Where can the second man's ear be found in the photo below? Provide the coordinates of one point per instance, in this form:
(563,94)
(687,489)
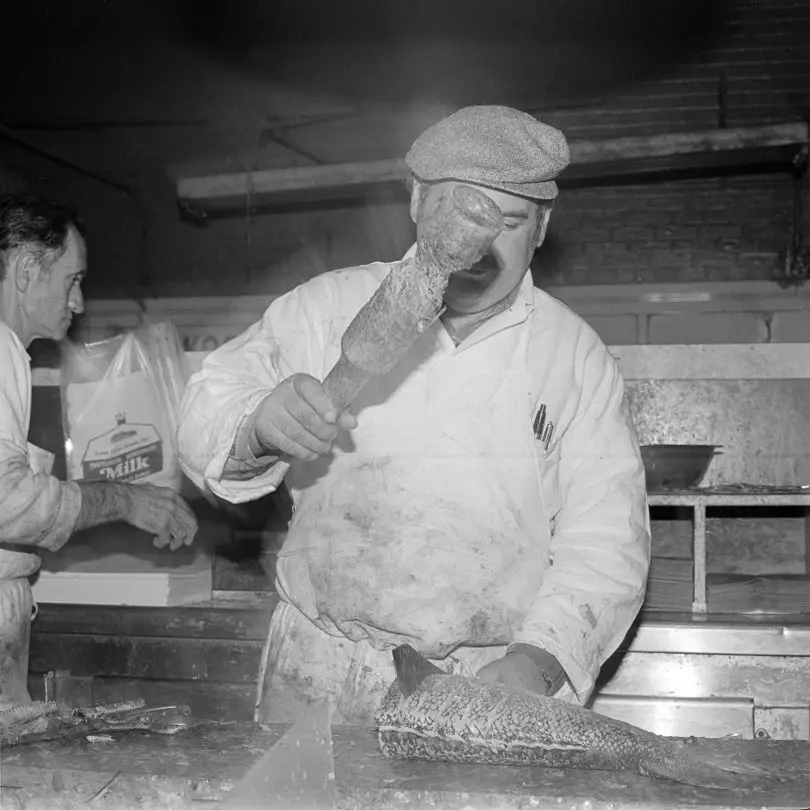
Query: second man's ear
(542,226)
(416,195)
(25,269)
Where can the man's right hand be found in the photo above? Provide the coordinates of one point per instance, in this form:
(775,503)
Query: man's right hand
(299,420)
(163,513)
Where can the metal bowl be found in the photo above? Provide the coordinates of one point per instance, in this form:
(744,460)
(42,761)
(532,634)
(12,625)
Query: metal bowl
(676,466)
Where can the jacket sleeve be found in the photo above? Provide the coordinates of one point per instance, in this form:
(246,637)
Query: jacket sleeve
(234,380)
(600,546)
(35,509)
(38,509)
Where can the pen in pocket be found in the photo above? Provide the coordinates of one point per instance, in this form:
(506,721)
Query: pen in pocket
(539,422)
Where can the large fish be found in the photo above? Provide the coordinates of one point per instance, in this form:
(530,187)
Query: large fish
(430,715)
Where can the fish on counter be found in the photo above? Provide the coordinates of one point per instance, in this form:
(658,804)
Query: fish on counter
(430,715)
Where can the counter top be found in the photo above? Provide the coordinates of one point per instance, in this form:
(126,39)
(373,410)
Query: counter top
(199,766)
(720,634)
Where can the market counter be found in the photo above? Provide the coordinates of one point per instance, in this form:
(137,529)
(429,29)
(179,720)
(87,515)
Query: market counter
(198,767)
(677,673)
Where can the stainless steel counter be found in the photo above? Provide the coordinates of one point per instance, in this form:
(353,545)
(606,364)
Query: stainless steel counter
(758,634)
(710,675)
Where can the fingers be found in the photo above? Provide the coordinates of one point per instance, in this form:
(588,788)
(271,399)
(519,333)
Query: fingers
(314,394)
(508,673)
(347,420)
(316,397)
(181,526)
(186,522)
(305,429)
(299,419)
(166,515)
(488,673)
(288,436)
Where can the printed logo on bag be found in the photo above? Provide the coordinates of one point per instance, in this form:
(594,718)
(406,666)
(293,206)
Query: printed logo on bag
(125,453)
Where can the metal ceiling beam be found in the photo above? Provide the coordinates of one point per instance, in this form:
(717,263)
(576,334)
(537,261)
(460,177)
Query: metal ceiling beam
(595,162)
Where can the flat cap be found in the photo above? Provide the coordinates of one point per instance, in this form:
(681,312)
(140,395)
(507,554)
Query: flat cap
(497,147)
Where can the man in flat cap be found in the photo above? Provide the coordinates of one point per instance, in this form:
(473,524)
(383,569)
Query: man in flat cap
(483,502)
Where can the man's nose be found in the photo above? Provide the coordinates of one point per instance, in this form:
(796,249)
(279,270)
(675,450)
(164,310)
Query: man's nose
(76,301)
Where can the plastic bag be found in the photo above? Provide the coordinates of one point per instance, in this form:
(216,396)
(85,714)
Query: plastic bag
(120,401)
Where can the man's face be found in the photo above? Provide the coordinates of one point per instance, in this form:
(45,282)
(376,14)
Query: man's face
(54,295)
(502,268)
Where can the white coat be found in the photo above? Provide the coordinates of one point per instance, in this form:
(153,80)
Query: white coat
(442,520)
(36,510)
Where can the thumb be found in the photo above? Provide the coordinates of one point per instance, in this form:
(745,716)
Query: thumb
(315,395)
(489,673)
(347,420)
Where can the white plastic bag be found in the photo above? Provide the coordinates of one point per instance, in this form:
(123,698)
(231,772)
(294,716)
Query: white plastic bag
(120,400)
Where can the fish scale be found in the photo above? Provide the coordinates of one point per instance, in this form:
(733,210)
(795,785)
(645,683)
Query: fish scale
(427,714)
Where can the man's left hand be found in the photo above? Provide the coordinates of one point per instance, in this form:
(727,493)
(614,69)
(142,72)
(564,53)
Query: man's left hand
(521,670)
(516,670)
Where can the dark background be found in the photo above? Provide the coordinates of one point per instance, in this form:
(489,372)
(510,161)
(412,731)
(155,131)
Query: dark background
(139,93)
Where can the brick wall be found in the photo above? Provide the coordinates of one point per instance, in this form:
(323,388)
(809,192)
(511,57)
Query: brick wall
(762,48)
(686,231)
(697,230)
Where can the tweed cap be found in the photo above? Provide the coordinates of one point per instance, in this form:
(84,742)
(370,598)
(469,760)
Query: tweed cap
(497,147)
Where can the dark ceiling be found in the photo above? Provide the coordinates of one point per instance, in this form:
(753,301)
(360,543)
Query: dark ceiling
(466,50)
(549,52)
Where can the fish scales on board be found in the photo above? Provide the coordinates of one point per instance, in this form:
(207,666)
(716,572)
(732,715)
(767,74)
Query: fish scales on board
(430,715)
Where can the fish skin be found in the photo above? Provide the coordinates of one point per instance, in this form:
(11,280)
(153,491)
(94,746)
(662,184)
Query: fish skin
(429,715)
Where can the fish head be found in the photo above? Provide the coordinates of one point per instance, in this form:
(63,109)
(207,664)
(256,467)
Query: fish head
(412,668)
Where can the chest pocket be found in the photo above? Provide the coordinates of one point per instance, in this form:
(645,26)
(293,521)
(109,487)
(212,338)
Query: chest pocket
(548,470)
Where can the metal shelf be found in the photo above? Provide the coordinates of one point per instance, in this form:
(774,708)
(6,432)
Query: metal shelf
(680,633)
(699,500)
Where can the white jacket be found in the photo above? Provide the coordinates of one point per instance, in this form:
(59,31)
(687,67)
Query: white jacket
(441,520)
(36,509)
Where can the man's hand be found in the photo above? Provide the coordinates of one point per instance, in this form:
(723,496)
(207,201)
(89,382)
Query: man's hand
(533,670)
(299,420)
(163,513)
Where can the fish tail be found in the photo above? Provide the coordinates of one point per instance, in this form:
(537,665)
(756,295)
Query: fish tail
(678,763)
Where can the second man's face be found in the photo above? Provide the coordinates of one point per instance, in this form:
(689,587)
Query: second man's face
(55,295)
(502,268)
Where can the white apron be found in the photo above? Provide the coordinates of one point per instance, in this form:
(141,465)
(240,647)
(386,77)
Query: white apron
(432,531)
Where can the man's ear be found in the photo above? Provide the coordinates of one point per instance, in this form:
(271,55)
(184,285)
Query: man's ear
(416,193)
(24,268)
(542,225)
